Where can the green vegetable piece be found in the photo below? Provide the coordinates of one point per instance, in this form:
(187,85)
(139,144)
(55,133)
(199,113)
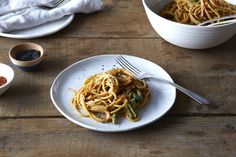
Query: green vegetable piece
(140,94)
(129,113)
(133,102)
(132,110)
(136,96)
(114,118)
(130,95)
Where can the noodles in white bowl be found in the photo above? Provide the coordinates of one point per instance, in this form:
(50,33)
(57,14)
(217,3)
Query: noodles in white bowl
(197,11)
(185,35)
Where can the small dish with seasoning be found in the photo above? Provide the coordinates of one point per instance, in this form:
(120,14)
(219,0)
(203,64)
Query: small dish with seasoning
(6,77)
(26,56)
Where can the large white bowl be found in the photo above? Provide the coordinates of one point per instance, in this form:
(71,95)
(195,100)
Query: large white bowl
(183,35)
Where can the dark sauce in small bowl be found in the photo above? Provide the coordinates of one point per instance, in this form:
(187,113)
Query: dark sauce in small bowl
(28,55)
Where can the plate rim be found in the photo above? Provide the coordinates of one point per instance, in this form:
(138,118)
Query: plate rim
(16,36)
(94,127)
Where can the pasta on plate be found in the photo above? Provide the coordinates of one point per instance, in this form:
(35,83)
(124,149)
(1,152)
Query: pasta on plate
(107,96)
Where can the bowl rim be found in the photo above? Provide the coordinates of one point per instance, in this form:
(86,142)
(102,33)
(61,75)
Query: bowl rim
(11,79)
(28,62)
(182,24)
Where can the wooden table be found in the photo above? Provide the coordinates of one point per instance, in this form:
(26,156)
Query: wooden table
(30,125)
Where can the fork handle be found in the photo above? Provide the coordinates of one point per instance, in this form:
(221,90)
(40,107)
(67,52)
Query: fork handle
(195,96)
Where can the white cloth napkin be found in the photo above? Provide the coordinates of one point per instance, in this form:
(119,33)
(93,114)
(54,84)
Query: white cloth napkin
(36,16)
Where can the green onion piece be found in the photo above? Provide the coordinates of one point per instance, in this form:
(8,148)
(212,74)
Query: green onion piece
(140,94)
(135,96)
(130,95)
(132,110)
(133,102)
(114,118)
(129,113)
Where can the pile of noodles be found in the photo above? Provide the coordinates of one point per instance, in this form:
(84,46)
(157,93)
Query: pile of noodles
(197,11)
(107,96)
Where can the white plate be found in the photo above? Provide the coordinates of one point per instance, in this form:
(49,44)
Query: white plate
(41,30)
(233,2)
(162,95)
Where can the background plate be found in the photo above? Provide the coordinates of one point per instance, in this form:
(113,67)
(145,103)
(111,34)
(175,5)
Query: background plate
(41,30)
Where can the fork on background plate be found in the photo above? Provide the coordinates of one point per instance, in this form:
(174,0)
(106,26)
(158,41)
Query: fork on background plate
(52,4)
(139,74)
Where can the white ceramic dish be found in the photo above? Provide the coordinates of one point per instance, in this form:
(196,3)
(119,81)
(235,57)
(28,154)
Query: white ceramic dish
(7,72)
(187,36)
(41,30)
(233,2)
(162,99)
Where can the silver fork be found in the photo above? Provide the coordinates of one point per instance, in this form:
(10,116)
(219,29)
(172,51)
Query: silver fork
(219,21)
(52,4)
(142,75)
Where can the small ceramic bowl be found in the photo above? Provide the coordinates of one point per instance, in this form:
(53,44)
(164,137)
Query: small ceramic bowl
(22,48)
(8,73)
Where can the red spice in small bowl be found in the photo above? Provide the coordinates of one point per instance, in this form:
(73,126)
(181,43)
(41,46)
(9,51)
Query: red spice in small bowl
(3,80)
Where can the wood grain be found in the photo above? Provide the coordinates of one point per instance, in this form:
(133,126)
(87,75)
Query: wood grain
(212,74)
(31,126)
(126,19)
(176,137)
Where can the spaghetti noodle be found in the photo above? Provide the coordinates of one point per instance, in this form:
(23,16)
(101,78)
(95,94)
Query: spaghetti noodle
(107,96)
(197,11)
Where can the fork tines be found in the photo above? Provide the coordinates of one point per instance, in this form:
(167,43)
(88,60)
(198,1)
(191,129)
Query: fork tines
(56,2)
(127,65)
